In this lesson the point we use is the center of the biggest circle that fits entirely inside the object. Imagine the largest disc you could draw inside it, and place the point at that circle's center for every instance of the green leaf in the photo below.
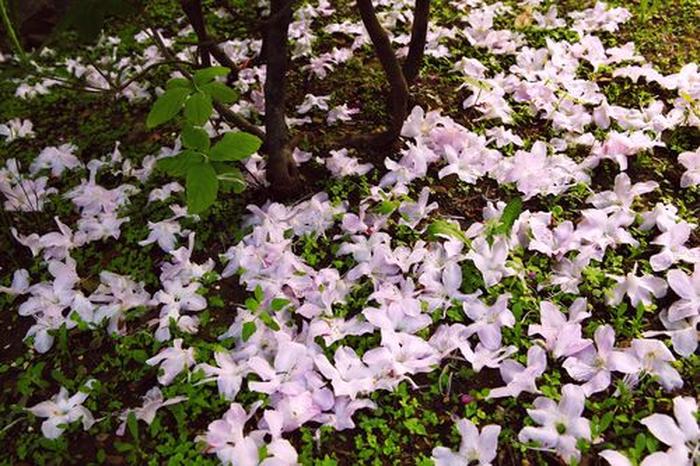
(640, 442)
(259, 293)
(510, 215)
(205, 75)
(195, 138)
(167, 106)
(198, 108)
(269, 321)
(202, 187)
(235, 146)
(123, 447)
(387, 207)
(230, 178)
(652, 444)
(220, 92)
(248, 330)
(415, 426)
(179, 82)
(279, 303)
(472, 280)
(447, 229)
(605, 421)
(180, 164)
(251, 304)
(133, 425)
(262, 452)
(139, 355)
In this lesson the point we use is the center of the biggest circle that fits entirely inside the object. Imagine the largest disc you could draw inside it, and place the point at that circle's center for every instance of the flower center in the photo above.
(561, 428)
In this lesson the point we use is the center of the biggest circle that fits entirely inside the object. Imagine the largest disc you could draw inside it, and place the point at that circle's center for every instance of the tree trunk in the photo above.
(206, 47)
(193, 10)
(419, 33)
(398, 94)
(281, 171)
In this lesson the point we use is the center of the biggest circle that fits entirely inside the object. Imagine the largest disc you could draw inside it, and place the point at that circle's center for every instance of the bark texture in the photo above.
(398, 87)
(207, 48)
(419, 34)
(281, 171)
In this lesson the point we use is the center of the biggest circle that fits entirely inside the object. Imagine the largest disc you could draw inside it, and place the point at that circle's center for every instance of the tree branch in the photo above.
(419, 33)
(398, 95)
(193, 11)
(206, 47)
(231, 117)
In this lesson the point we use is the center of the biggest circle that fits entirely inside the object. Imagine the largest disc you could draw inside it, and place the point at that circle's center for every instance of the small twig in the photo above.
(106, 77)
(238, 121)
(7, 427)
(167, 53)
(233, 118)
(146, 70)
(84, 87)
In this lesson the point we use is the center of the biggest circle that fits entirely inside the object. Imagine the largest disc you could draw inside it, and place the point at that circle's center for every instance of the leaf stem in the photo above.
(11, 31)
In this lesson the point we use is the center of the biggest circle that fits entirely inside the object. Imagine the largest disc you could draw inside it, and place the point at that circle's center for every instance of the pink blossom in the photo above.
(561, 424)
(172, 360)
(475, 446)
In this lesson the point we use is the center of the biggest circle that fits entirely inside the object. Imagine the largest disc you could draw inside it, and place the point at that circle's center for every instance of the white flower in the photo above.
(413, 212)
(57, 159)
(475, 448)
(691, 161)
(152, 402)
(172, 360)
(681, 434)
(488, 320)
(20, 283)
(419, 123)
(164, 233)
(161, 194)
(469, 163)
(561, 424)
(115, 295)
(62, 410)
(341, 113)
(174, 294)
(519, 378)
(600, 230)
(225, 437)
(228, 373)
(656, 361)
(639, 289)
(311, 101)
(595, 364)
(16, 129)
(688, 289)
(622, 196)
(490, 260)
(176, 297)
(281, 453)
(340, 164)
(673, 242)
